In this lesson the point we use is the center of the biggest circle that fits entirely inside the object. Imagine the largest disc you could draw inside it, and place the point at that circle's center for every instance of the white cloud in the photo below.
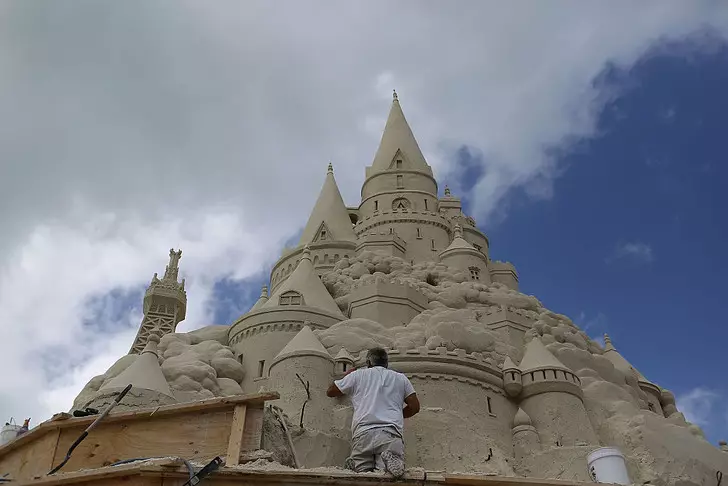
(635, 251)
(698, 405)
(127, 128)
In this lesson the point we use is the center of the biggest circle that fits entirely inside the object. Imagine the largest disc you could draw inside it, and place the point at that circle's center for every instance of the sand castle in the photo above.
(507, 386)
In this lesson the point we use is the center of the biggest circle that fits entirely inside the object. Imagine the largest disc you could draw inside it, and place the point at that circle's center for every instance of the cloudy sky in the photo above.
(588, 140)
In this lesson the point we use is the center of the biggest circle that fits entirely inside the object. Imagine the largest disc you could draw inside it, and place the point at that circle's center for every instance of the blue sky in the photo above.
(631, 240)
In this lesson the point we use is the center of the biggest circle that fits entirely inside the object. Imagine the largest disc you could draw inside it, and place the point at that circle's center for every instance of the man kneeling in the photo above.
(382, 399)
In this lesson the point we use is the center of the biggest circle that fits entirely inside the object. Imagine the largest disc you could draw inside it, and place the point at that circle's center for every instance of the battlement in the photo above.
(388, 242)
(389, 216)
(439, 363)
(501, 316)
(550, 379)
(388, 301)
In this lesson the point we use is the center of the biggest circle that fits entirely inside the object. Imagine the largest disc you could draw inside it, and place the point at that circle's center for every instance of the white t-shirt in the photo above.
(377, 395)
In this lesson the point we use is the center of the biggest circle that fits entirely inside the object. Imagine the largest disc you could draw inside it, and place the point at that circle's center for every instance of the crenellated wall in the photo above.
(426, 232)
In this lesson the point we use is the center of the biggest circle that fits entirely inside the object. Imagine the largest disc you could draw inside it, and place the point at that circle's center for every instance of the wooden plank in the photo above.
(121, 473)
(253, 432)
(474, 480)
(236, 435)
(195, 436)
(207, 405)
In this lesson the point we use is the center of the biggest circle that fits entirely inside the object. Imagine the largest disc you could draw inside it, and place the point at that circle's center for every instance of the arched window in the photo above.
(290, 298)
(401, 203)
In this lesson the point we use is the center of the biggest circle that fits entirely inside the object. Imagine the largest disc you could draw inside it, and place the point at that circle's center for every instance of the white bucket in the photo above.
(9, 432)
(607, 465)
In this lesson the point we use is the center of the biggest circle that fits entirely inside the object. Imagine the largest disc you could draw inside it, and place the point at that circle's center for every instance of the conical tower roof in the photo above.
(458, 242)
(144, 373)
(305, 343)
(305, 281)
(538, 357)
(262, 299)
(344, 355)
(521, 418)
(398, 138)
(329, 218)
(619, 361)
(508, 364)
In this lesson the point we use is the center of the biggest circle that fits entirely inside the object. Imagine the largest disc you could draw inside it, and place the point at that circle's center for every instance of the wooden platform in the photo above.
(170, 472)
(198, 431)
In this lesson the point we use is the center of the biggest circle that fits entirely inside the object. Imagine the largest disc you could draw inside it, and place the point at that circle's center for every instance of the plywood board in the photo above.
(30, 461)
(197, 436)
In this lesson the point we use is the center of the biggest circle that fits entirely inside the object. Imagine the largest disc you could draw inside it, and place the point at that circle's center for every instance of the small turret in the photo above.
(149, 386)
(525, 437)
(511, 378)
(652, 391)
(262, 299)
(552, 397)
(301, 372)
(343, 362)
(541, 372)
(723, 445)
(463, 255)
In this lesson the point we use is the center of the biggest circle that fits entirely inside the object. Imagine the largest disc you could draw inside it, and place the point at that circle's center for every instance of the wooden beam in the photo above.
(236, 435)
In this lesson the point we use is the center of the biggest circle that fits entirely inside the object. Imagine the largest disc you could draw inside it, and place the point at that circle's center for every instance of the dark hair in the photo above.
(377, 357)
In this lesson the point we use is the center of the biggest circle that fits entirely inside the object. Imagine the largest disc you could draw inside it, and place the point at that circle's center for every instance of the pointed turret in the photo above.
(521, 418)
(303, 370)
(344, 361)
(620, 362)
(305, 343)
(146, 377)
(537, 357)
(542, 372)
(462, 255)
(398, 144)
(329, 218)
(511, 378)
(262, 299)
(303, 288)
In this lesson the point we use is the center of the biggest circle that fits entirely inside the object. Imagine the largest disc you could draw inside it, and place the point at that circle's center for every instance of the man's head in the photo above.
(377, 357)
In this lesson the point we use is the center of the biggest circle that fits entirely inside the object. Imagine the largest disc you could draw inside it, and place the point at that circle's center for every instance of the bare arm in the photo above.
(412, 406)
(333, 390)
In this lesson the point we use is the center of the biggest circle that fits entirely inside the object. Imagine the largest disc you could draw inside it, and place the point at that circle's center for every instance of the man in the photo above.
(382, 399)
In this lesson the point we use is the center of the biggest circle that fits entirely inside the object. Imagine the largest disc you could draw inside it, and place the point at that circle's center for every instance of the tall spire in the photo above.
(329, 219)
(398, 143)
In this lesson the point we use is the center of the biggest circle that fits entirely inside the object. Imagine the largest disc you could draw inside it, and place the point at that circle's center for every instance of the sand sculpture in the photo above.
(507, 386)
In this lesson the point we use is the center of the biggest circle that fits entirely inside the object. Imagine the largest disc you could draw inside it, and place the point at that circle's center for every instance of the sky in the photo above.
(585, 138)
